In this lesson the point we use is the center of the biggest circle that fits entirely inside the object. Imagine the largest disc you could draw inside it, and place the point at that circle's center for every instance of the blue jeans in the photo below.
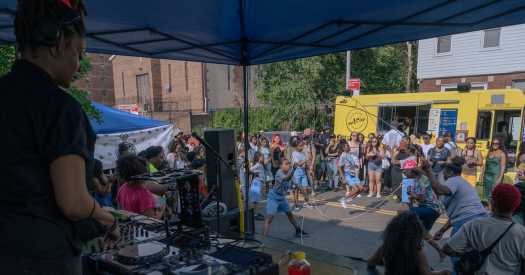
(332, 173)
(428, 216)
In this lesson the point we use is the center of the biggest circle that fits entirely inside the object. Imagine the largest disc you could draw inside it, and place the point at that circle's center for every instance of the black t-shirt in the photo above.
(41, 123)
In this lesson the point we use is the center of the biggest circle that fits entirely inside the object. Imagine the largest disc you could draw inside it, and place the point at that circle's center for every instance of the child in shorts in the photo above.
(277, 201)
(348, 172)
(300, 178)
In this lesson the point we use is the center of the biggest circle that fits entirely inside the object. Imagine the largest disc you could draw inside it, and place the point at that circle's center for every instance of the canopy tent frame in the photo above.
(237, 50)
(280, 46)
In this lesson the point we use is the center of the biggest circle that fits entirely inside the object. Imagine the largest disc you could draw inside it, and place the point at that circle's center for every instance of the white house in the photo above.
(488, 59)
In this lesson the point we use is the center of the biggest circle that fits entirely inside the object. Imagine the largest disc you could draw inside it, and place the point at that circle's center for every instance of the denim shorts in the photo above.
(276, 204)
(351, 180)
(299, 178)
(374, 167)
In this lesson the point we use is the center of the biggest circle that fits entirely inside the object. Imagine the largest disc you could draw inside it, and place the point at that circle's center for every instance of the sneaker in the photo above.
(309, 206)
(313, 194)
(370, 195)
(259, 217)
(342, 199)
(358, 196)
(299, 233)
(378, 196)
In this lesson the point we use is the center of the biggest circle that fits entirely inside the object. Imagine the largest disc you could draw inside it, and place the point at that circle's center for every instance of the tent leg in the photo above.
(246, 160)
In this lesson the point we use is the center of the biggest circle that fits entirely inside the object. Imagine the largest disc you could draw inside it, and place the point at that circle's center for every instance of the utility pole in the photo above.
(348, 67)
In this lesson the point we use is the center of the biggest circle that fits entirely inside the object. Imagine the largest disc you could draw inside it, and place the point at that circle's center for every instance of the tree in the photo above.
(296, 94)
(8, 56)
(382, 69)
(296, 91)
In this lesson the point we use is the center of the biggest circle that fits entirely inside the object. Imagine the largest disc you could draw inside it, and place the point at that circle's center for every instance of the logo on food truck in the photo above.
(356, 120)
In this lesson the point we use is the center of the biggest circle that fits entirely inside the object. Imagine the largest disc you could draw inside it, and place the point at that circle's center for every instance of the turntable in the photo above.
(142, 253)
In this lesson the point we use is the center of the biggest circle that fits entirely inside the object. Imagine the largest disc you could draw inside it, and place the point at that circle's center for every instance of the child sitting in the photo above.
(132, 195)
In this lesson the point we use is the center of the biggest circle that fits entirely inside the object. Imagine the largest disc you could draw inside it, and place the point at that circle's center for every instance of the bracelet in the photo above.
(93, 209)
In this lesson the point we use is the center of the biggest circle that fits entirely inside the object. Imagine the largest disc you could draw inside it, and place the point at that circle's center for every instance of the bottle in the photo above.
(298, 264)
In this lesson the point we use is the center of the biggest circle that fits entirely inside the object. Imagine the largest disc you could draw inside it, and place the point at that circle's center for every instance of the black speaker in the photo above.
(230, 222)
(222, 141)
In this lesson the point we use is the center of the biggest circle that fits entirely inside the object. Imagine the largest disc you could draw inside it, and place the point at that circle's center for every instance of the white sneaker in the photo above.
(378, 196)
(370, 195)
(309, 206)
(358, 196)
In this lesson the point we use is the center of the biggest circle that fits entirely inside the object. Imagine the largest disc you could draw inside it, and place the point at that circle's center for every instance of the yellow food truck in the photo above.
(478, 113)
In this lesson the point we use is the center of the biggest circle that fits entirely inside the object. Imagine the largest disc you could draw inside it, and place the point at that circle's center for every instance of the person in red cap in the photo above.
(508, 254)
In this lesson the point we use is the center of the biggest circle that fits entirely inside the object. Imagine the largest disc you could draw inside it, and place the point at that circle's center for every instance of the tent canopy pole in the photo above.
(246, 149)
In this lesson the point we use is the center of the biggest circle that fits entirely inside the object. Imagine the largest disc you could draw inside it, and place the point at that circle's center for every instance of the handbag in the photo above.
(470, 262)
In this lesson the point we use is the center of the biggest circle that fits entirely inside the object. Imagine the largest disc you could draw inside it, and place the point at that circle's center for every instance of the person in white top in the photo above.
(393, 137)
(508, 253)
(426, 145)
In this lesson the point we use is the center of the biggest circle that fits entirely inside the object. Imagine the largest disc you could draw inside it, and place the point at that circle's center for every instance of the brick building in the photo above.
(225, 86)
(487, 59)
(162, 89)
(99, 81)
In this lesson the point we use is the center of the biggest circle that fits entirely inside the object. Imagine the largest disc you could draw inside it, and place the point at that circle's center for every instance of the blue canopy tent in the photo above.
(116, 121)
(249, 32)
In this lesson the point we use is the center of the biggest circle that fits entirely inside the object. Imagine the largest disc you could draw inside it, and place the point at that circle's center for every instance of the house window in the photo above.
(519, 84)
(491, 38)
(444, 44)
(449, 87)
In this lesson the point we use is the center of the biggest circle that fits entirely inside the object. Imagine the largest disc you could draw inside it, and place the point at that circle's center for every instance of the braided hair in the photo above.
(402, 240)
(44, 22)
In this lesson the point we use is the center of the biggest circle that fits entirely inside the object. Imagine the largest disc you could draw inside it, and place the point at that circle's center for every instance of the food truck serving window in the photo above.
(483, 126)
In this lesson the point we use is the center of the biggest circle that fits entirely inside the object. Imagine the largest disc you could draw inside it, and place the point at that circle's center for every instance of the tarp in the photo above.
(246, 32)
(106, 147)
(116, 121)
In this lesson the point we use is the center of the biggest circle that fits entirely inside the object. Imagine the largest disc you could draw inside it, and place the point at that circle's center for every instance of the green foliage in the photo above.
(232, 118)
(296, 92)
(382, 69)
(8, 56)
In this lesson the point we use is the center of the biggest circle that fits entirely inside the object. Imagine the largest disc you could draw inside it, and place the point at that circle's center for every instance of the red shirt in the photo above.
(135, 198)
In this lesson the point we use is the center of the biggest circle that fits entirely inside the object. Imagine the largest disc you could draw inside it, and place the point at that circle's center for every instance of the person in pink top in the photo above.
(132, 195)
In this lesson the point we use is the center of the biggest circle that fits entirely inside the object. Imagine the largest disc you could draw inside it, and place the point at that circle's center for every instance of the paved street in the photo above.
(353, 232)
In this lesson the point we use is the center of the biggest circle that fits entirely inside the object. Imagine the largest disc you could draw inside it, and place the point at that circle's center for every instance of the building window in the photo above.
(228, 70)
(519, 84)
(186, 74)
(478, 86)
(449, 87)
(491, 38)
(143, 91)
(444, 44)
(169, 78)
(123, 85)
